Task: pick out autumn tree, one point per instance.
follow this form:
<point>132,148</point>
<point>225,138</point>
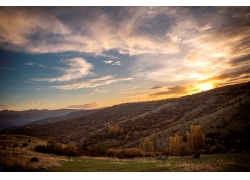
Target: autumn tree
<point>70,150</point>
<point>176,143</point>
<point>146,145</point>
<point>195,138</point>
<point>114,129</point>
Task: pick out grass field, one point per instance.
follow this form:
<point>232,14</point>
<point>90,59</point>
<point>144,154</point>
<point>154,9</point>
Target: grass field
<point>16,158</point>
<point>208,163</point>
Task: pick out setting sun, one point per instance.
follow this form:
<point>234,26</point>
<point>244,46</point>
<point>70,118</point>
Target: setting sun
<point>205,86</point>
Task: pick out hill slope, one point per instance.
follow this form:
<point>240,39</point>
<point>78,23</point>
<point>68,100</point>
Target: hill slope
<point>19,118</point>
<point>70,115</point>
<point>223,112</point>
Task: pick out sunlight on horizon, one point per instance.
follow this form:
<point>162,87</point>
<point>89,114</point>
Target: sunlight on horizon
<point>205,86</point>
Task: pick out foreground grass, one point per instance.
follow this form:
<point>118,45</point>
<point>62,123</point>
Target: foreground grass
<point>208,163</point>
<point>14,157</point>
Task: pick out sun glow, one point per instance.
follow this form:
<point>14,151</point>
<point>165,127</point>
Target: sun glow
<point>205,86</point>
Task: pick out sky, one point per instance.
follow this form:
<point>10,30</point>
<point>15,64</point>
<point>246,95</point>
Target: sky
<point>93,57</point>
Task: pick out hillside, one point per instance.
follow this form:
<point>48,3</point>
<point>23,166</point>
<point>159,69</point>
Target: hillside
<point>223,114</point>
<point>19,118</point>
<point>70,115</point>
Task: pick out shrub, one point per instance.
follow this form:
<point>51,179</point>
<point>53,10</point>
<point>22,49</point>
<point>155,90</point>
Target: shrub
<point>58,150</point>
<point>34,159</point>
<point>149,154</point>
<point>70,150</point>
<point>41,148</point>
<point>51,143</point>
<point>25,144</point>
<point>132,152</point>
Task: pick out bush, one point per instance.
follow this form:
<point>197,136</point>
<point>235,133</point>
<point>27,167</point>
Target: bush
<point>149,154</point>
<point>34,159</point>
<point>25,144</point>
<point>132,152</point>
<point>70,150</point>
<point>41,148</point>
<point>58,150</point>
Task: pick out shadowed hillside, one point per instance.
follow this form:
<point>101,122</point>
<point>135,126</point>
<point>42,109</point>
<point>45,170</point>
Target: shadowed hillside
<point>19,118</point>
<point>70,115</point>
<point>223,114</point>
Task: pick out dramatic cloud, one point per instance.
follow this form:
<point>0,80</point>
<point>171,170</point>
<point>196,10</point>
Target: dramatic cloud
<point>92,83</point>
<point>78,68</point>
<point>187,49</point>
<point>85,106</point>
<point>39,30</point>
<point>228,76</point>
<point>240,60</point>
<point>156,87</point>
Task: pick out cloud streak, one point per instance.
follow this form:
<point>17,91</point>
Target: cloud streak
<point>92,83</point>
<point>77,68</point>
<point>85,106</point>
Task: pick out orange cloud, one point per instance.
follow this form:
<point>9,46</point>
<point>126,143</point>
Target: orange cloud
<point>177,90</point>
<point>85,106</point>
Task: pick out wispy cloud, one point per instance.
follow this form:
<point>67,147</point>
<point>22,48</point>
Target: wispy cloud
<point>7,68</point>
<point>85,106</point>
<point>156,87</point>
<point>177,90</point>
<point>92,83</point>
<point>29,63</point>
<point>33,64</point>
<point>35,102</point>
<point>90,93</point>
<point>7,106</point>
<point>78,68</point>
<point>108,61</point>
<point>117,63</point>
<point>231,76</point>
<point>205,27</point>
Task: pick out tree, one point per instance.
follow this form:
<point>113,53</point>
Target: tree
<point>195,138</point>
<point>176,144</point>
<point>51,144</point>
<point>155,142</point>
<point>146,145</point>
<point>70,150</point>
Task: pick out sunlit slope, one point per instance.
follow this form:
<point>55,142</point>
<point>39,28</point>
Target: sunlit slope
<point>221,110</point>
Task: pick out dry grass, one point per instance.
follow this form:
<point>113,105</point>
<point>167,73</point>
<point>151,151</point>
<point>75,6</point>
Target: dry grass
<point>13,154</point>
<point>200,167</point>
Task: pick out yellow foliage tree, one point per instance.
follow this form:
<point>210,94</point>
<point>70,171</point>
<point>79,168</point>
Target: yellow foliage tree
<point>114,129</point>
<point>146,145</point>
<point>176,144</point>
<point>195,138</point>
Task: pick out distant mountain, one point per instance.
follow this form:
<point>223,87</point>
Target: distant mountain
<point>19,118</point>
<point>70,115</point>
<point>223,114</point>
